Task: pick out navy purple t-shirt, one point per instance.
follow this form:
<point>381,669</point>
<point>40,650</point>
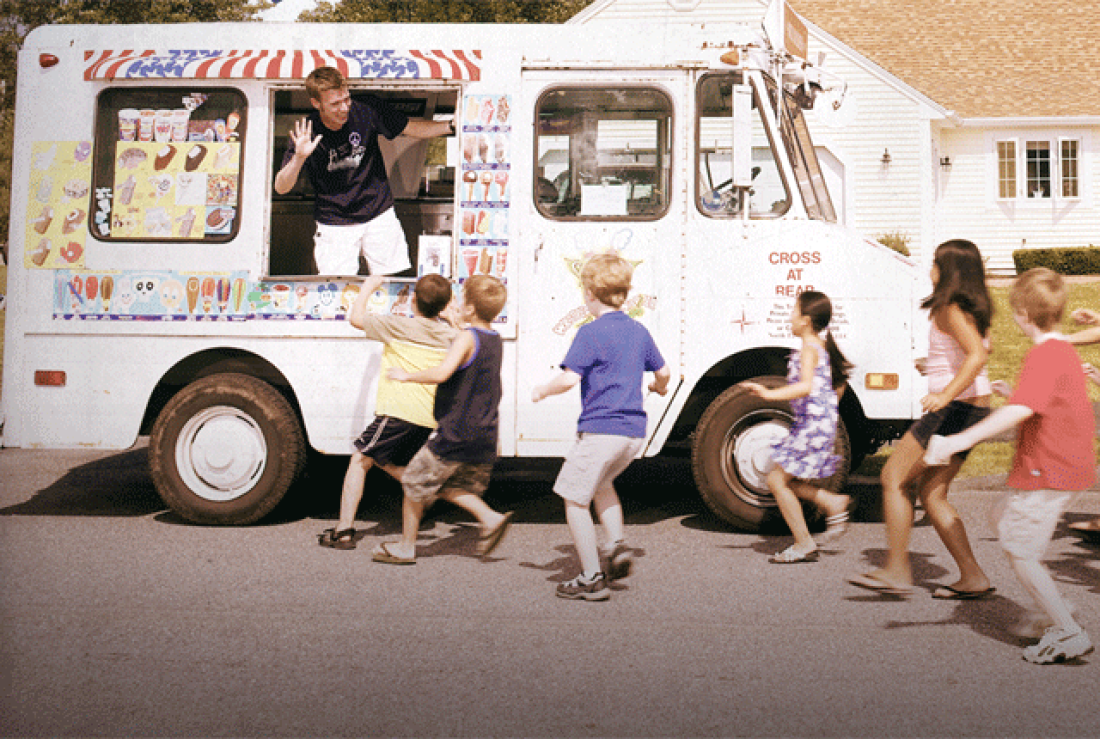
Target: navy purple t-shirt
<point>346,169</point>
<point>611,355</point>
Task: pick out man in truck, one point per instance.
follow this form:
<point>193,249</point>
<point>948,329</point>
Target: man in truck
<point>353,209</point>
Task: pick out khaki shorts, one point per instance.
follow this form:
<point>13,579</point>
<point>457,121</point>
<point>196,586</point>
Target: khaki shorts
<point>593,463</point>
<point>429,478</point>
<point>1025,520</point>
<point>381,241</point>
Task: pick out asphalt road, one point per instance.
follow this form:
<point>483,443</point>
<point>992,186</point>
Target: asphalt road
<point>117,619</point>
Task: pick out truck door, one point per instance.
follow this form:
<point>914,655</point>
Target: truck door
<point>608,163</point>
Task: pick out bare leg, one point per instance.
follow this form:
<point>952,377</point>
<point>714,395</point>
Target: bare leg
<point>902,466</point>
<point>583,530</point>
<point>789,505</point>
<point>352,492</point>
<point>945,519</point>
<point>610,511</point>
<point>475,506</point>
<point>828,502</point>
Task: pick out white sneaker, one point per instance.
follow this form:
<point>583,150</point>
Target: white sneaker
<point>1033,624</point>
<point>1058,645</point>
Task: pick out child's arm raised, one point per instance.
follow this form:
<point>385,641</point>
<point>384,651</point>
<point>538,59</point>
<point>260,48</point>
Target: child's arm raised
<point>957,324</point>
<point>459,353</point>
<point>1089,335</point>
<point>564,381</point>
<point>794,390</point>
<point>357,316</point>
<point>942,448</point>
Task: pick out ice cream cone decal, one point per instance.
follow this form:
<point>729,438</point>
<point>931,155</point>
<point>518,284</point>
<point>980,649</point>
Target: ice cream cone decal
<point>106,289</point>
<point>192,293</point>
<point>207,294</point>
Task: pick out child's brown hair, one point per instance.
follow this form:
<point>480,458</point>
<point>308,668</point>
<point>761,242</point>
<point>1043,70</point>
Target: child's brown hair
<point>487,295</point>
<point>608,277</point>
<point>1040,294</point>
<point>433,293</point>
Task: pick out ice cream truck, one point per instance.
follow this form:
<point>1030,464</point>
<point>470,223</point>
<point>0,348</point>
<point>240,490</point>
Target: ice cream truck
<point>158,285</point>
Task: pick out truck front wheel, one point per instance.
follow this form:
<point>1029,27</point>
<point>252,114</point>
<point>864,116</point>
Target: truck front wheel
<point>225,450</point>
<point>731,453</point>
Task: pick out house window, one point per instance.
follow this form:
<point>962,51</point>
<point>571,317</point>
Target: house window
<point>1069,159</point>
<point>1006,169</point>
<point>1036,168</point>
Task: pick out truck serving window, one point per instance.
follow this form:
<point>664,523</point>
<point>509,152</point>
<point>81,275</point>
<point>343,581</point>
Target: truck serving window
<point>603,153</point>
<point>168,164</point>
<point>715,195</point>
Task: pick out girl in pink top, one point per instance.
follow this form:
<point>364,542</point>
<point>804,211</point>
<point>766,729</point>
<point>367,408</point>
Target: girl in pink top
<point>960,311</point>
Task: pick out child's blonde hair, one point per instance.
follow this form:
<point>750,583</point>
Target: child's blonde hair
<point>487,295</point>
<point>608,276</point>
<point>1040,294</point>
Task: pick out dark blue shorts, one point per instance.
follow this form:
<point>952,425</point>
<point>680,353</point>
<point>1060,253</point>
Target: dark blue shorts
<point>390,440</point>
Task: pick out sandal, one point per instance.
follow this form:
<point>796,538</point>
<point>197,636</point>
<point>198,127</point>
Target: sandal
<point>836,526</point>
<point>790,555</point>
<point>333,539</point>
<point>383,554</point>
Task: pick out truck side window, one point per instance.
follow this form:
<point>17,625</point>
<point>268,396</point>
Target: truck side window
<point>167,164</point>
<point>716,198</point>
<point>603,153</point>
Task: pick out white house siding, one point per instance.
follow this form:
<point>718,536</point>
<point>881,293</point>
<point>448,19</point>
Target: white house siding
<point>876,199</point>
<point>969,208</point>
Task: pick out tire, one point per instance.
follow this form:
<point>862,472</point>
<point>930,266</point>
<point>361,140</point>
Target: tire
<point>730,453</point>
<point>225,450</point>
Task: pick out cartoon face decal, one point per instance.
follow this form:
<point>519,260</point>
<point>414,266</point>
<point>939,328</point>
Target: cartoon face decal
<point>171,295</point>
<point>327,293</point>
<point>145,289</point>
<point>124,294</point>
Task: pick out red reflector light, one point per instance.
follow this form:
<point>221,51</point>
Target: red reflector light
<point>47,60</point>
<point>49,378</point>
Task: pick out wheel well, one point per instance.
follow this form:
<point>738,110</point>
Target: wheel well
<point>214,362</point>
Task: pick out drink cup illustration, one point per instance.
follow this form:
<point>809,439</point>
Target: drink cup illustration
<point>470,258</point>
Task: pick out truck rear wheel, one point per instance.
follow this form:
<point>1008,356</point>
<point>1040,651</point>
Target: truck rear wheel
<point>225,450</point>
<point>731,451</point>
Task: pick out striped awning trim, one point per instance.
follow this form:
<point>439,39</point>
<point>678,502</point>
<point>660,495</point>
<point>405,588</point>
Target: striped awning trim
<point>200,64</point>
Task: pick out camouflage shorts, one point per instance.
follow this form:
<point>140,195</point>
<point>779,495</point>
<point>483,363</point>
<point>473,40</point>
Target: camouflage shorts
<point>429,478</point>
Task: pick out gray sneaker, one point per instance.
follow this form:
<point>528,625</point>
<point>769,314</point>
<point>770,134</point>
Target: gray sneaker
<point>620,561</point>
<point>581,588</point>
<point>1058,645</point>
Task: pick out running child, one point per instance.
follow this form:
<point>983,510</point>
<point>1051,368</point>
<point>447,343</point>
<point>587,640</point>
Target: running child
<point>403,415</point>
<point>456,462</point>
<point>960,313</point>
<point>1054,457</point>
<point>815,374</point>
<point>609,358</point>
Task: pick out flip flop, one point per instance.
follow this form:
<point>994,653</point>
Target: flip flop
<point>490,540</point>
<point>383,554</point>
<point>946,592</point>
<point>1087,530</point>
<point>872,582</point>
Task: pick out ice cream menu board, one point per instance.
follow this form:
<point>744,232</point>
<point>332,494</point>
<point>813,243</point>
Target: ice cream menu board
<point>484,190</point>
<point>57,218</point>
<point>168,164</point>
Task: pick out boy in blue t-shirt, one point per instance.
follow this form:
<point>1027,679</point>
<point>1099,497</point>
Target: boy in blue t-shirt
<point>608,357</point>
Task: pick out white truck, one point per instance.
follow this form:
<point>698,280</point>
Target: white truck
<point>159,286</point>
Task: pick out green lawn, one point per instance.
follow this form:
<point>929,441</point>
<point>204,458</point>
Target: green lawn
<point>1009,348</point>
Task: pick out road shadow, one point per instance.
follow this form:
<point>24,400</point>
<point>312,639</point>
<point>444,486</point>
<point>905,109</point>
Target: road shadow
<point>652,490</point>
<point>118,485</point>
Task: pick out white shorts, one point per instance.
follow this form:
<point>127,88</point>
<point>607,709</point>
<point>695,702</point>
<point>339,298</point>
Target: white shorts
<point>1025,520</point>
<point>594,462</point>
<point>381,241</point>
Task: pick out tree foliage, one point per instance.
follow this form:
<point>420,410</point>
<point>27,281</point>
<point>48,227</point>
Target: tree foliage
<point>446,11</point>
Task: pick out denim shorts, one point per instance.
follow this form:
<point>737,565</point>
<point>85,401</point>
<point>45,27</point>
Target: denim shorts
<point>954,417</point>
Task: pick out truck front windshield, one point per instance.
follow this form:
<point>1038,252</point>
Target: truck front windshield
<point>807,168</point>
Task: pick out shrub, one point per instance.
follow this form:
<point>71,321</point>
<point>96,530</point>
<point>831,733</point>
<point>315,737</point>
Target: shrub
<point>896,240</point>
<point>1066,261</point>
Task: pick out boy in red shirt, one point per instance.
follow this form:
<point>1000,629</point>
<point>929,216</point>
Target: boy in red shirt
<point>1054,457</point>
